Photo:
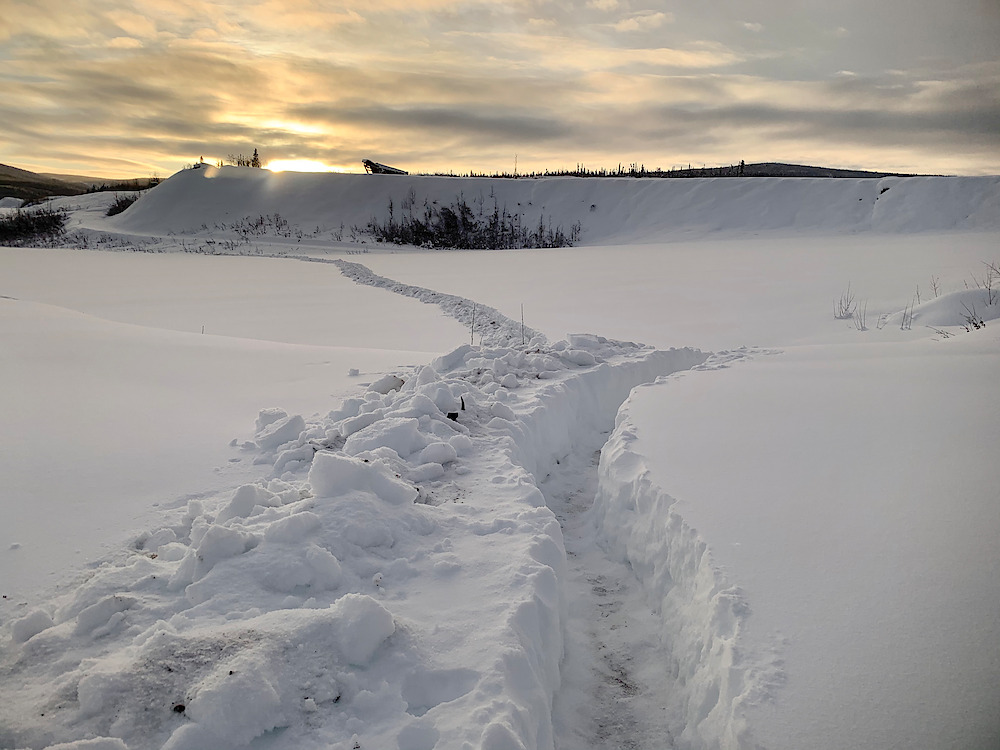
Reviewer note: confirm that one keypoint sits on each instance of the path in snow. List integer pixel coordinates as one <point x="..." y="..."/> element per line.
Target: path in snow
<point x="490" y="326"/>
<point x="615" y="676"/>
<point x="615" y="681"/>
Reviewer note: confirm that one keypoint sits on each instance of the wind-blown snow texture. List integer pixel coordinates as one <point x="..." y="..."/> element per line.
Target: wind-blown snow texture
<point x="394" y="577"/>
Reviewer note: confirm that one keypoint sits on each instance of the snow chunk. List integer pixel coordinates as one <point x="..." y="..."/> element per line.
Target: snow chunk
<point x="30" y="625"/>
<point x="244" y="500"/>
<point x="293" y="457"/>
<point x="450" y="361"/>
<point x="269" y="416"/>
<point x="462" y="444"/>
<point x="586" y="341"/>
<point x="386" y="384"/>
<point x="216" y="544"/>
<point x="440" y="453"/>
<point x="401" y="434"/>
<point x="353" y="424"/>
<point x="327" y="573"/>
<point x="426" y="472"/>
<point x="333" y="475"/>
<point x="362" y="625"/>
<point x="442" y="397"/>
<point x="578" y="357"/>
<point x="280" y="432"/>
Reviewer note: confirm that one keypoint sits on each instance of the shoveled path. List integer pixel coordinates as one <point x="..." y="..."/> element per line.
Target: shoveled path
<point x="615" y="678"/>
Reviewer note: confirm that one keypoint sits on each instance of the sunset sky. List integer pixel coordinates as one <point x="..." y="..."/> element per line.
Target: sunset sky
<point x="123" y="89"/>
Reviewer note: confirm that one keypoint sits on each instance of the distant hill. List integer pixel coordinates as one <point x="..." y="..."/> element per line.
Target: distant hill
<point x="775" y="169"/>
<point x="20" y="183"/>
<point x="763" y="169"/>
<point x="103" y="183"/>
<point x="77" y="179"/>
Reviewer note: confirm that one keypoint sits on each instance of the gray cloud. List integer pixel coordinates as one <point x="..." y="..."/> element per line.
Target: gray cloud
<point x="457" y="84"/>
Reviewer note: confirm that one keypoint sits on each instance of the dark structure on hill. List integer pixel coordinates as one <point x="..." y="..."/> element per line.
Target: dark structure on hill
<point x="373" y="167"/>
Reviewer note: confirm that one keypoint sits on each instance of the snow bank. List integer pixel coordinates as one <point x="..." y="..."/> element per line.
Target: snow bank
<point x="702" y="613"/>
<point x="610" y="210"/>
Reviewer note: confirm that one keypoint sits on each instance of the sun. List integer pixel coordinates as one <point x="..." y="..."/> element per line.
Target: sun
<point x="300" y="165"/>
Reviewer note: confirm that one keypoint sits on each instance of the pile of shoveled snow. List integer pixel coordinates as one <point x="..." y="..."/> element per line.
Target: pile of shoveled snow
<point x="395" y="582"/>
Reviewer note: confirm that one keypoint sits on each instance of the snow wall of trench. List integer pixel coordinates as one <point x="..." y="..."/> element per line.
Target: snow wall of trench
<point x="701" y="612"/>
<point x="546" y="428"/>
<point x="567" y="408"/>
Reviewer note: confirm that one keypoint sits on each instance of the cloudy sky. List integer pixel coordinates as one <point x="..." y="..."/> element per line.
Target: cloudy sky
<point x="120" y="88"/>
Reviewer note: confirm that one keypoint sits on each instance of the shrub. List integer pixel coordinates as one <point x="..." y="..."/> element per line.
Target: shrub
<point x="32" y="227"/>
<point x="844" y="308"/>
<point x="121" y="202"/>
<point x="458" y="226"/>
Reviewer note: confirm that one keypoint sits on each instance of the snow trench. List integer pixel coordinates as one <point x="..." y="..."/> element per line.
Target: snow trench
<point x="701" y="613"/>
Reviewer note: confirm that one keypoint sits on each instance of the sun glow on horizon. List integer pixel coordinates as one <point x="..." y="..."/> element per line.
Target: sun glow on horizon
<point x="301" y="165"/>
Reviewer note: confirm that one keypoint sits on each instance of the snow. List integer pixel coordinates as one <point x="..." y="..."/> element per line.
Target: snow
<point x="619" y="210"/>
<point x="710" y="293"/>
<point x="473" y="546"/>
<point x="123" y="402"/>
<point x="853" y="548"/>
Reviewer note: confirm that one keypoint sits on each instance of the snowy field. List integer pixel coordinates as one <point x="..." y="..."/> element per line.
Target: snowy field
<point x="785" y="538"/>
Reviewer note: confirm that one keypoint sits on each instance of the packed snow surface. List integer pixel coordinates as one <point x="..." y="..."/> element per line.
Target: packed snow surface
<point x="458" y="539"/>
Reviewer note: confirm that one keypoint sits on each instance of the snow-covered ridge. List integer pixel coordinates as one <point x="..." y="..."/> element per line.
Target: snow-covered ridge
<point x="701" y="611"/>
<point x="610" y="210"/>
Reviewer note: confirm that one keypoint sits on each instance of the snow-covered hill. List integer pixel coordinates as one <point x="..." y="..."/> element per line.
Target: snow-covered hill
<point x="609" y="210"/>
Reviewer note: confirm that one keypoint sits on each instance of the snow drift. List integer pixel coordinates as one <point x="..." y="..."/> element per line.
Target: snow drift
<point x="610" y="210"/>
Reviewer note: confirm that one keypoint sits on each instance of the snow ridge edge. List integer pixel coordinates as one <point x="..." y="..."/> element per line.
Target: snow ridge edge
<point x="701" y="610"/>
